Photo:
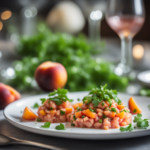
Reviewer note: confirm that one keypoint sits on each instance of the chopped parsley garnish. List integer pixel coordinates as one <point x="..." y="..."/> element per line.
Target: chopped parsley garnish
<point x="104" y="116"/>
<point x="129" y="128"/>
<point x="43" y="100"/>
<point x="36" y="105"/>
<point x="62" y="112"/>
<point x="79" y="109"/>
<point x="60" y="127"/>
<point x="100" y="121"/>
<point x="103" y="103"/>
<point x="149" y="106"/>
<point x="125" y="110"/>
<point x="38" y="119"/>
<point x="98" y="95"/>
<point x="113" y="109"/>
<point x="51" y="108"/>
<point x="134" y="111"/>
<point x="141" y="123"/>
<point x="91" y="109"/>
<point x="72" y="124"/>
<point x="83" y="116"/>
<point x="74" y="117"/>
<point x="58" y="96"/>
<point x="46" y="125"/>
<point x="78" y="99"/>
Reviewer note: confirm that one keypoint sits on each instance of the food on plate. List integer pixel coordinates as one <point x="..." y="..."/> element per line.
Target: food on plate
<point x="134" y="107"/>
<point x="56" y="108"/>
<point x="28" y="114"/>
<point x="101" y="109"/>
<point x="76" y="105"/>
<point x="7" y="95"/>
<point x="51" y="75"/>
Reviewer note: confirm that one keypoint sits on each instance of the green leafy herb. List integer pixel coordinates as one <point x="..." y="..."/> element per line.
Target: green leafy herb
<point x="78" y="99"/>
<point x="149" y="106"/>
<point x="51" y="108"/>
<point x="46" y="125"/>
<point x="79" y="109"/>
<point x="97" y="95"/>
<point x="134" y="111"/>
<point x="72" y="52"/>
<point x="36" y="105"/>
<point x="104" y="116"/>
<point x="62" y="112"/>
<point x="125" y="110"/>
<point x="113" y="109"/>
<point x="43" y="100"/>
<point x="83" y="116"/>
<point x="103" y="103"/>
<point x="60" y="127"/>
<point x="100" y="121"/>
<point x="38" y="119"/>
<point x="72" y="124"/>
<point x="74" y="117"/>
<point x="91" y="109"/>
<point x="129" y="128"/>
<point x="141" y="123"/>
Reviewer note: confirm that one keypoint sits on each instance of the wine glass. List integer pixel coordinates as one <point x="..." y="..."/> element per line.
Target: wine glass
<point x="125" y="17"/>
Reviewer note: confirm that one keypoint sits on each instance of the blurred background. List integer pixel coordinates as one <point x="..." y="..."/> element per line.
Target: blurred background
<point x="72" y="33"/>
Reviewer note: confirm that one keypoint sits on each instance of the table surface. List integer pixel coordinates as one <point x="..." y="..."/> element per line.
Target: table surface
<point x="140" y="143"/>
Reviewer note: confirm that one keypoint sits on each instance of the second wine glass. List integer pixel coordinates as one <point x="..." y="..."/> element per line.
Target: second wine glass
<point x="125" y="17"/>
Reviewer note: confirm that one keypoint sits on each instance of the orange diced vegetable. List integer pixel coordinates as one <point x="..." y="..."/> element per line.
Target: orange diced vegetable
<point x="77" y="105"/>
<point x="88" y="113"/>
<point x="120" y="106"/>
<point x="112" y="115"/>
<point x="121" y="115"/>
<point x="52" y="111"/>
<point x="78" y="114"/>
<point x="28" y="114"/>
<point x="134" y="109"/>
<point x="42" y="112"/>
<point x="68" y="110"/>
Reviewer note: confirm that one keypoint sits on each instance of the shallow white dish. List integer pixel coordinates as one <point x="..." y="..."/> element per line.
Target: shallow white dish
<point x="13" y="113"/>
<point x="144" y="77"/>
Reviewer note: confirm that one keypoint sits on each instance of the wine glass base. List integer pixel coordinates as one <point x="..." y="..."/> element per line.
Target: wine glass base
<point x="122" y="70"/>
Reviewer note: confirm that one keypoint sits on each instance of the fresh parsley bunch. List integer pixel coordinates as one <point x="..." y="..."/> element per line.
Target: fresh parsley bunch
<point x="97" y="95"/>
<point x="58" y="96"/>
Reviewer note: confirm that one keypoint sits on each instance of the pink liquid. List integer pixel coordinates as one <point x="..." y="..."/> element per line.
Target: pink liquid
<point x="125" y="25"/>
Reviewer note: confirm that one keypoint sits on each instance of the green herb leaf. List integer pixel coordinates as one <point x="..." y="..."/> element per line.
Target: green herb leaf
<point x="51" y="108"/>
<point x="78" y="99"/>
<point x="46" y="125"/>
<point x="62" y="112"/>
<point x="134" y="111"/>
<point x="129" y="128"/>
<point x="74" y="117"/>
<point x="100" y="121"/>
<point x="38" y="119"/>
<point x="149" y="106"/>
<point x="91" y="109"/>
<point x="36" y="105"/>
<point x="103" y="103"/>
<point x="113" y="109"/>
<point x="138" y="118"/>
<point x="79" y="109"/>
<point x="60" y="127"/>
<point x="83" y="116"/>
<point x="43" y="100"/>
<point x="104" y="116"/>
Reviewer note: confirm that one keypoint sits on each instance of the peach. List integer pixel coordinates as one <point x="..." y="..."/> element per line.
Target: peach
<point x="51" y="75"/>
<point x="7" y="95"/>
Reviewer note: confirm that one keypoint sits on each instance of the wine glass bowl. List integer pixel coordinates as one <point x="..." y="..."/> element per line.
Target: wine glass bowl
<point x="125" y="17"/>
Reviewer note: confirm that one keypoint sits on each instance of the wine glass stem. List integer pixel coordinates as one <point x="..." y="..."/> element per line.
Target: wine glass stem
<point x="126" y="53"/>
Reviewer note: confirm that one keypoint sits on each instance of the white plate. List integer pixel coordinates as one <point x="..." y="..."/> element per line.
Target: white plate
<point x="13" y="114"/>
<point x="144" y="77"/>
